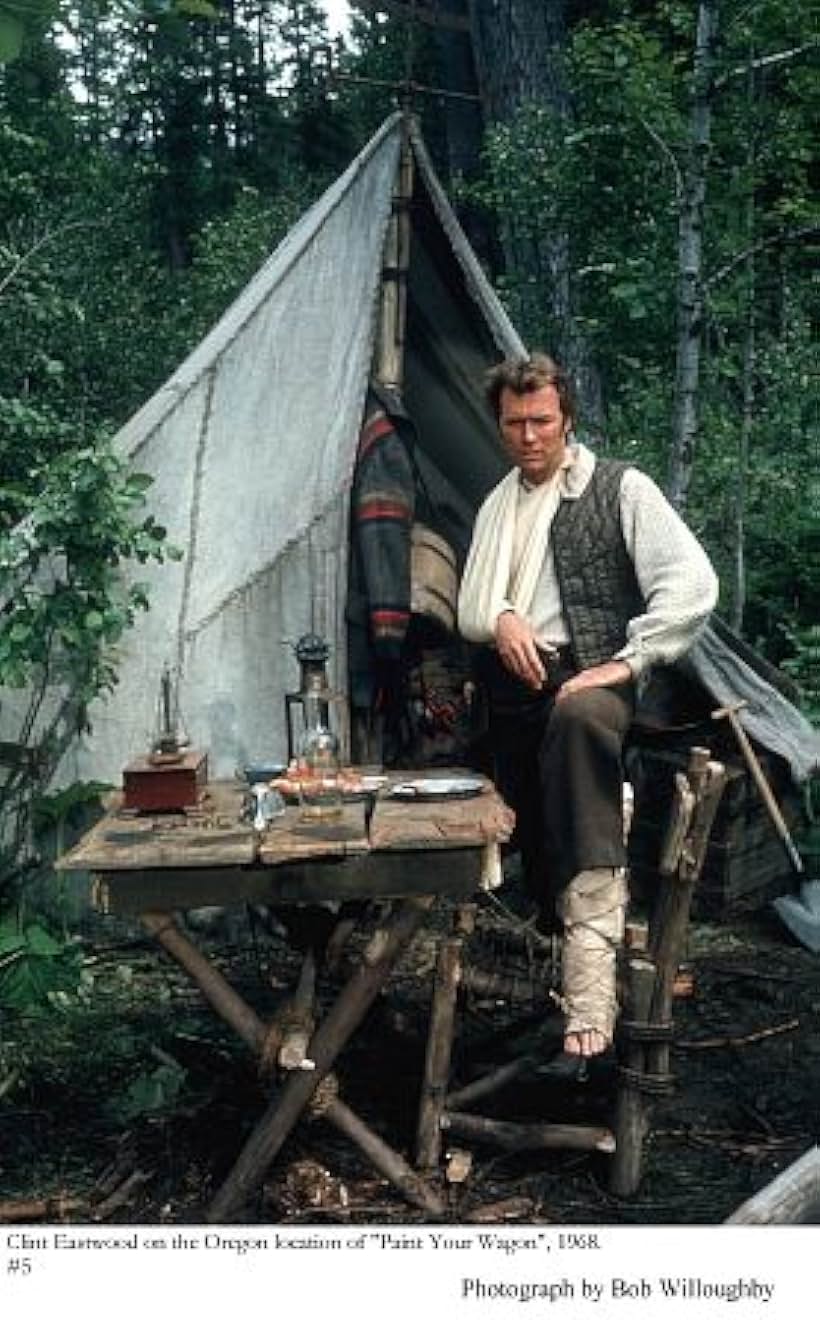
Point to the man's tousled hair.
(529, 374)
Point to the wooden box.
(165, 787)
(746, 865)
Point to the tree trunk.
(519, 48)
(742, 480)
(747, 416)
(690, 261)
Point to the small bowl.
(262, 771)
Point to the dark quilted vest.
(599, 589)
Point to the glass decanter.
(320, 790)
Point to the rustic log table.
(408, 854)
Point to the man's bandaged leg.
(592, 909)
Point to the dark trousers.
(559, 767)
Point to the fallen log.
(515, 1137)
(793, 1198)
(55, 1208)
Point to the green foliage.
(34, 966)
(11, 35)
(155, 1093)
(55, 808)
(231, 248)
(16, 18)
(803, 664)
(67, 596)
(65, 605)
(608, 177)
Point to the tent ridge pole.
(388, 368)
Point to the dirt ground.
(130, 1102)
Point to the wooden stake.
(631, 1113)
(680, 819)
(707, 780)
(440, 1040)
(693, 811)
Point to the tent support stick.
(389, 364)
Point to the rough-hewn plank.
(292, 838)
(398, 826)
(213, 834)
(454, 874)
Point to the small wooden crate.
(148, 786)
(746, 864)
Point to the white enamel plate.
(435, 790)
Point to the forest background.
(640, 180)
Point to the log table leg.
(440, 1040)
(217, 991)
(384, 1159)
(298, 1021)
(330, 1037)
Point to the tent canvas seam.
(193, 520)
(234, 596)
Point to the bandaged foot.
(592, 909)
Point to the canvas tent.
(252, 445)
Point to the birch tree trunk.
(690, 262)
(749, 361)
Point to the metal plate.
(436, 790)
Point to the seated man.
(580, 578)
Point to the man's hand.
(609, 674)
(518, 651)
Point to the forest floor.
(130, 1102)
